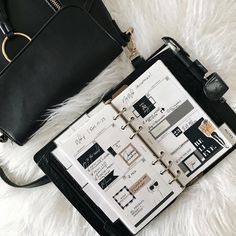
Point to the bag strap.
(5, 25)
(39, 182)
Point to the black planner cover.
(220, 112)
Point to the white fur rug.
(207, 29)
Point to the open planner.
(135, 152)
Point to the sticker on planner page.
(139, 184)
(172, 119)
(112, 151)
(91, 155)
(231, 136)
(107, 180)
(124, 197)
(206, 138)
(144, 106)
(129, 154)
(192, 162)
(194, 141)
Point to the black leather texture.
(67, 53)
(25, 16)
(29, 16)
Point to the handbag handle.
(7, 29)
(39, 182)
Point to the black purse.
(75, 44)
(70, 50)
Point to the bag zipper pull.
(56, 5)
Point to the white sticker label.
(228, 133)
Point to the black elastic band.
(5, 25)
(39, 182)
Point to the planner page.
(117, 171)
(70, 131)
(170, 118)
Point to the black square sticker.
(112, 151)
(91, 155)
(177, 132)
(144, 106)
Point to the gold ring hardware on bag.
(6, 40)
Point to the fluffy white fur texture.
(207, 29)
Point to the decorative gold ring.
(6, 40)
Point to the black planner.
(131, 155)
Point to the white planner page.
(117, 172)
(173, 121)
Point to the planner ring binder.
(176, 178)
(158, 158)
(128, 123)
(120, 113)
(140, 128)
(167, 168)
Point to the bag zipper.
(56, 5)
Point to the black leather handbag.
(57, 60)
(50, 50)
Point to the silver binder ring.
(167, 168)
(136, 132)
(120, 113)
(158, 158)
(128, 123)
(175, 178)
